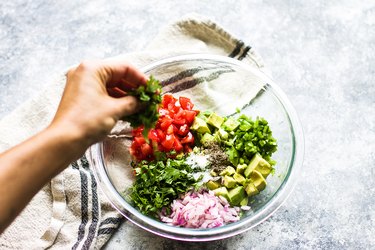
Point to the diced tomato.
(171, 132)
(183, 130)
(161, 134)
(179, 121)
(165, 123)
(167, 98)
(189, 138)
(132, 150)
(189, 116)
(163, 112)
(185, 103)
(153, 135)
(168, 142)
(137, 131)
(171, 129)
(139, 140)
(177, 145)
(146, 150)
(177, 108)
(187, 148)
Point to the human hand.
(95, 98)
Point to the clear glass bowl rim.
(186, 234)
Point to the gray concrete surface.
(321, 53)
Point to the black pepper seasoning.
(217, 157)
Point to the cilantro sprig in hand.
(150, 98)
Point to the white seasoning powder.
(197, 161)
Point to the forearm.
(86, 114)
(26, 168)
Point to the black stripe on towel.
(244, 53)
(108, 230)
(190, 72)
(237, 49)
(111, 220)
(191, 83)
(95, 205)
(182, 75)
(84, 204)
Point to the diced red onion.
(201, 210)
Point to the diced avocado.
(244, 202)
(258, 180)
(200, 126)
(230, 124)
(241, 168)
(239, 178)
(213, 173)
(223, 134)
(228, 171)
(221, 191)
(215, 120)
(251, 190)
(212, 185)
(249, 169)
(206, 138)
(229, 182)
(236, 195)
(259, 164)
(263, 167)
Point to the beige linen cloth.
(71, 211)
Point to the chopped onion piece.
(201, 210)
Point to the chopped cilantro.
(158, 183)
(150, 98)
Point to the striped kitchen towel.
(71, 211)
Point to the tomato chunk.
(165, 123)
(189, 116)
(167, 99)
(161, 134)
(183, 130)
(153, 135)
(177, 145)
(189, 138)
(146, 150)
(168, 142)
(185, 103)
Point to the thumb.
(126, 106)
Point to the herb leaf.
(158, 183)
(150, 98)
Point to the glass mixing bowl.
(219, 84)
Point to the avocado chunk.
(241, 168)
(200, 126)
(236, 195)
(221, 191)
(207, 138)
(263, 167)
(229, 182)
(223, 134)
(244, 202)
(249, 169)
(251, 190)
(215, 120)
(239, 178)
(228, 171)
(258, 180)
(211, 185)
(230, 124)
(259, 164)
